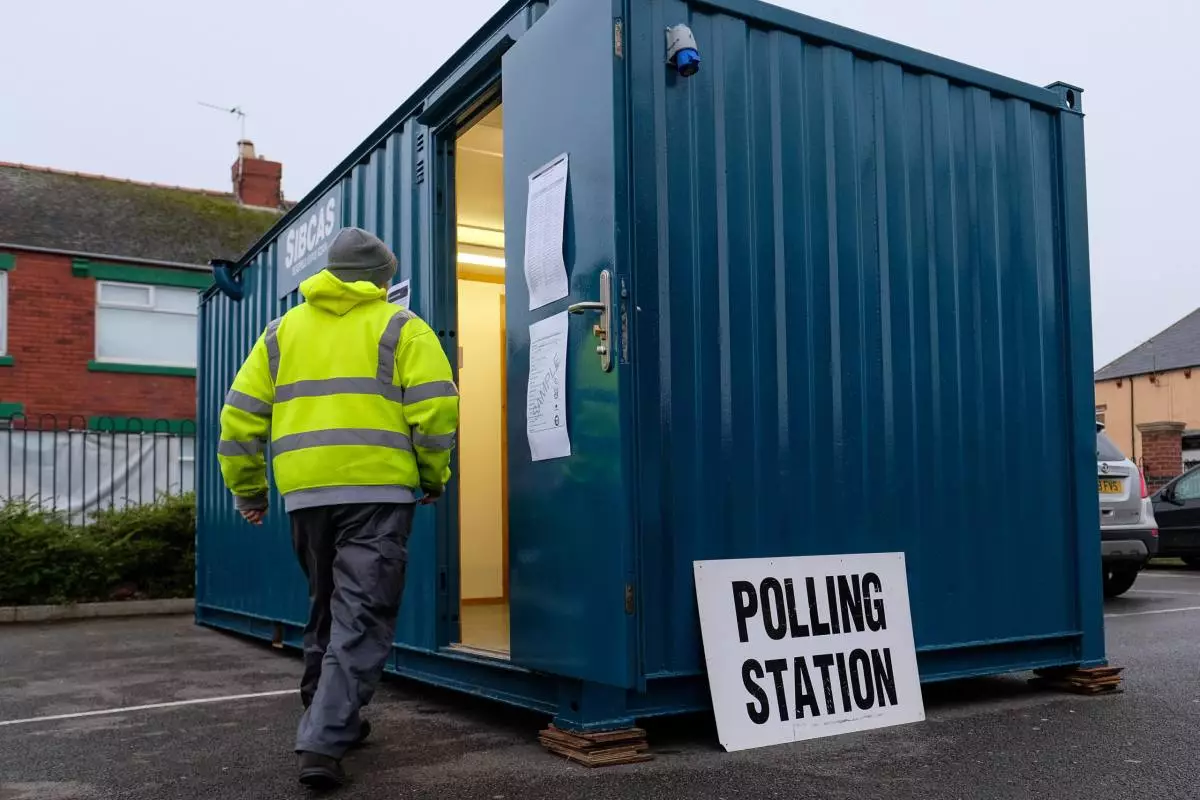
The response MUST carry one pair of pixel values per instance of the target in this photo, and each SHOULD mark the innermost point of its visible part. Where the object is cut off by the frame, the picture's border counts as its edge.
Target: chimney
(256, 181)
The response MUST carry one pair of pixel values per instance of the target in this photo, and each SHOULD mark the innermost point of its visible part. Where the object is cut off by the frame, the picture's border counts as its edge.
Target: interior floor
(482, 382)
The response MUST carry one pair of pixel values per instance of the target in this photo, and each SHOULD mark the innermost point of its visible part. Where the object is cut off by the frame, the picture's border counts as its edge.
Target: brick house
(99, 285)
(1152, 394)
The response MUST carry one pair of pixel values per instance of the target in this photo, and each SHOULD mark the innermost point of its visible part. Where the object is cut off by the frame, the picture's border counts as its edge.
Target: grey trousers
(354, 557)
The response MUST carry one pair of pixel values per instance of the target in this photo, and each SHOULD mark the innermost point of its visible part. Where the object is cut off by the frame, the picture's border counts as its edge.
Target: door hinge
(630, 605)
(619, 37)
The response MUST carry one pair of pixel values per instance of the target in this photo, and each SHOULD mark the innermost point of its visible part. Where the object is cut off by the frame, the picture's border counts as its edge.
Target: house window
(3, 313)
(1101, 413)
(146, 325)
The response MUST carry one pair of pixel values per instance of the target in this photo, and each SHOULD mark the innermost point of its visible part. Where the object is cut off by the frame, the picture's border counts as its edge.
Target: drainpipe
(1132, 426)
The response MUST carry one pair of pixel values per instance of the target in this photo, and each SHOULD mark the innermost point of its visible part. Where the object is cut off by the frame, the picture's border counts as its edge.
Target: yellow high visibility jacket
(356, 396)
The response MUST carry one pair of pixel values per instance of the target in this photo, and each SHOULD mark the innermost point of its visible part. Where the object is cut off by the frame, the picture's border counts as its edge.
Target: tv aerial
(237, 110)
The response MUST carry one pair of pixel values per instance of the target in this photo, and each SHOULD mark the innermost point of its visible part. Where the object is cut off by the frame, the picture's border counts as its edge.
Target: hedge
(141, 552)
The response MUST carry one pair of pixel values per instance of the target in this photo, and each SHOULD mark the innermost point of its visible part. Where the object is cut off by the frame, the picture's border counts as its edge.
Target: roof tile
(77, 212)
(1175, 348)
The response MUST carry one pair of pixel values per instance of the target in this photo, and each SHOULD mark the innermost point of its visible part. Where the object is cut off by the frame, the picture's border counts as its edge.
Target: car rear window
(1106, 450)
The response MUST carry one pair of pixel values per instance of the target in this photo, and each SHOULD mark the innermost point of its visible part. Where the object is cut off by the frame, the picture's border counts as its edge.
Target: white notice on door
(545, 219)
(546, 403)
(804, 647)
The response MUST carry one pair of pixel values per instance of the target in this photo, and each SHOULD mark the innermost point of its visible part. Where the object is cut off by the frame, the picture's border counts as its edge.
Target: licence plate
(1110, 486)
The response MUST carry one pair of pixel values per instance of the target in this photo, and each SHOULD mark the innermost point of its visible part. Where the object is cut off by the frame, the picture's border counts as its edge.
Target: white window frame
(3, 312)
(137, 307)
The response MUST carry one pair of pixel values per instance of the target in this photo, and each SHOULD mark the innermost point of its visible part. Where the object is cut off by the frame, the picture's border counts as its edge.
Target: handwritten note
(545, 219)
(546, 400)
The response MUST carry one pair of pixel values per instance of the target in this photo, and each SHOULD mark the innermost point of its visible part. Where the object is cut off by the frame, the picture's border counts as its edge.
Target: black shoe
(364, 730)
(321, 772)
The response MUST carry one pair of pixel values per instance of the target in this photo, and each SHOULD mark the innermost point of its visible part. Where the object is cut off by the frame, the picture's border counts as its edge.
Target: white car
(1128, 531)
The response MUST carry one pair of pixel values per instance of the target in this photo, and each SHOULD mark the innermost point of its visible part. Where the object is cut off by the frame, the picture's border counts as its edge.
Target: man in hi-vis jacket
(357, 399)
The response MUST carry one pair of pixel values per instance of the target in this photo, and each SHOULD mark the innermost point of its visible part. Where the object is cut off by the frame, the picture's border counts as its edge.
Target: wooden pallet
(1097, 680)
(605, 749)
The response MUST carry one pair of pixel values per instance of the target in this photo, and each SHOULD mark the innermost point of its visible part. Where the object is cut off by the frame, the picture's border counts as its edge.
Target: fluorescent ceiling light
(481, 237)
(480, 261)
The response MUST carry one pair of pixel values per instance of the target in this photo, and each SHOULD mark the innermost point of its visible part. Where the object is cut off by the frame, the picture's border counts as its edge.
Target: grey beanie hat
(357, 255)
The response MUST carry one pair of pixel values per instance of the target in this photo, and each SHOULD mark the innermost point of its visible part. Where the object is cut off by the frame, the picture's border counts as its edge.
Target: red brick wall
(1162, 452)
(51, 337)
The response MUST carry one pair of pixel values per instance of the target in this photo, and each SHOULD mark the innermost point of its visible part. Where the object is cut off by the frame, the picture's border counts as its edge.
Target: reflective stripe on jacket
(356, 396)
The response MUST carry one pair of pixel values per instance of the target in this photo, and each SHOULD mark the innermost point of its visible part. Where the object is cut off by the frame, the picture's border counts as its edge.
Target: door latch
(603, 330)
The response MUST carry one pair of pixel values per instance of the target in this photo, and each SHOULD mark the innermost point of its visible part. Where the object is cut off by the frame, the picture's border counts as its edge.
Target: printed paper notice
(546, 412)
(545, 218)
(399, 295)
(800, 647)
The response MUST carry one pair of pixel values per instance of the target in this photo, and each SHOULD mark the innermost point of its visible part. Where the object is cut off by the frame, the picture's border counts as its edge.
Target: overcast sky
(112, 87)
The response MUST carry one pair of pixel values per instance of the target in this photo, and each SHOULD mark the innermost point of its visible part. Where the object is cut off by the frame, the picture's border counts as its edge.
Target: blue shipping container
(848, 311)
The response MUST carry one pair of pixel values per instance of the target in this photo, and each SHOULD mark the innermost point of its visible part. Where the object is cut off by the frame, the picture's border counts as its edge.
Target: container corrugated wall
(859, 320)
(852, 336)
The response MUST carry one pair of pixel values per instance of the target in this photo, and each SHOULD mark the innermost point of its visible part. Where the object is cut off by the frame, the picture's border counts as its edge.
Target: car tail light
(1145, 493)
(1154, 533)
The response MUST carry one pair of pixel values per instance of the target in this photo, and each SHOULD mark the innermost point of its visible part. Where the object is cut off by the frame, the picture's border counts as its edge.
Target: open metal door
(570, 529)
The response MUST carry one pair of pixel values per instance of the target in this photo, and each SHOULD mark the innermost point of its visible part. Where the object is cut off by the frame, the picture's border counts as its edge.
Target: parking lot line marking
(1155, 611)
(149, 707)
(1171, 576)
(1162, 591)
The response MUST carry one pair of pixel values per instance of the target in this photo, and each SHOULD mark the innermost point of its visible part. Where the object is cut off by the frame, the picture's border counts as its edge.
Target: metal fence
(79, 466)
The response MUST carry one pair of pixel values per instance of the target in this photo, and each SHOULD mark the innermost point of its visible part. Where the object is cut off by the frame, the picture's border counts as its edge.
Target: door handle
(603, 306)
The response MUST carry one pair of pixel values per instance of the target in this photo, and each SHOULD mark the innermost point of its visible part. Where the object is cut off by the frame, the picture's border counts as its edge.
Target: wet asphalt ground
(993, 738)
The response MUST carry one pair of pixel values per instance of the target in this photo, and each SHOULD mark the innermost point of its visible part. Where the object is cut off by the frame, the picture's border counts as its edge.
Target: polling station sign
(304, 246)
(805, 647)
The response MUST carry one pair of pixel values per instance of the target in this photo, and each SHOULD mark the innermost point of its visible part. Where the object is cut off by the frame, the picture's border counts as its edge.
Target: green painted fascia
(141, 369)
(126, 273)
(11, 410)
(7, 261)
(141, 425)
(7, 361)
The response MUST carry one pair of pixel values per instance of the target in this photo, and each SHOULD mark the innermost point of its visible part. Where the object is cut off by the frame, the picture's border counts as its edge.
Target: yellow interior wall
(483, 181)
(480, 205)
(479, 448)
